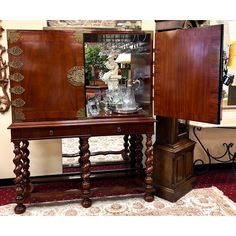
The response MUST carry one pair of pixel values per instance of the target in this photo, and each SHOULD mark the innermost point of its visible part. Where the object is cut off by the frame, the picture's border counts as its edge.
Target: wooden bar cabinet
(48, 92)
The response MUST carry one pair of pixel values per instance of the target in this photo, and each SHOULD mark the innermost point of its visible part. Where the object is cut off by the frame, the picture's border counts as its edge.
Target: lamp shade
(124, 58)
(232, 55)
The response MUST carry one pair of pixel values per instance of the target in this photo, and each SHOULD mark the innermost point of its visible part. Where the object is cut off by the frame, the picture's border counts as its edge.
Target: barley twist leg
(139, 154)
(132, 149)
(85, 171)
(19, 179)
(149, 190)
(25, 172)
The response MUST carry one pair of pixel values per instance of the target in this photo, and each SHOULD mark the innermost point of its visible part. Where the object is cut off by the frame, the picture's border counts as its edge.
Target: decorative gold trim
(17, 90)
(16, 64)
(76, 75)
(18, 102)
(18, 116)
(79, 37)
(80, 113)
(13, 36)
(16, 77)
(15, 51)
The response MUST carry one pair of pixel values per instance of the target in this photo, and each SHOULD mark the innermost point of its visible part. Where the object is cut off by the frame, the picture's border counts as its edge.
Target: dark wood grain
(47, 57)
(173, 169)
(187, 73)
(76, 128)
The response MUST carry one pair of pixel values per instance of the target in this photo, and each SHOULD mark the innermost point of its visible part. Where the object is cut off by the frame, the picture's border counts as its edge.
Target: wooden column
(173, 159)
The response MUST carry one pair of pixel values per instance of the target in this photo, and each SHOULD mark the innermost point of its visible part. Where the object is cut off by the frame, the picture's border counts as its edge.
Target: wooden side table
(21, 133)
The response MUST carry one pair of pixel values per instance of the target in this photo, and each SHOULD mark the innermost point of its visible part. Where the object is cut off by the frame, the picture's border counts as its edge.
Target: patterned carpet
(111, 143)
(198, 202)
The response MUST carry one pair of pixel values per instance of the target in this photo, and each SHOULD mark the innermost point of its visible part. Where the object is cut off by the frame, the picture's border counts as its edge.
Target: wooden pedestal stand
(173, 160)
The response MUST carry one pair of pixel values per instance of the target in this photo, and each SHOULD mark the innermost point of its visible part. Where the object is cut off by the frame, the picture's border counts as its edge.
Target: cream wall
(45, 156)
(213, 139)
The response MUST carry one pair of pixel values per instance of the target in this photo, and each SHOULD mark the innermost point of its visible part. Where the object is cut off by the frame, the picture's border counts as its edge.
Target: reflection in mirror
(117, 72)
(106, 149)
(182, 127)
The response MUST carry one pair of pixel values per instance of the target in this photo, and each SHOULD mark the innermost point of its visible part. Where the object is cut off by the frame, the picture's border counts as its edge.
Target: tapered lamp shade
(232, 55)
(124, 58)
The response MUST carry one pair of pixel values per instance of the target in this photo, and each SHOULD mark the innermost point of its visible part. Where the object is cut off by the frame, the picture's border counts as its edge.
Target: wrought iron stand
(203, 167)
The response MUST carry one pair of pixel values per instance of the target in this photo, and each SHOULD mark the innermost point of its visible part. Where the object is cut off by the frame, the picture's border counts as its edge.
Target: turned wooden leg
(149, 190)
(139, 154)
(126, 147)
(81, 152)
(132, 149)
(25, 172)
(85, 172)
(19, 180)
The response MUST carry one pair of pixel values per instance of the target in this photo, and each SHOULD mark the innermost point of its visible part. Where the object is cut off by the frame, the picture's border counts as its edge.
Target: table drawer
(50, 132)
(117, 129)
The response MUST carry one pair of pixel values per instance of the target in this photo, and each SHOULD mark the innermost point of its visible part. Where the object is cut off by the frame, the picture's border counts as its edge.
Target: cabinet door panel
(51, 68)
(188, 69)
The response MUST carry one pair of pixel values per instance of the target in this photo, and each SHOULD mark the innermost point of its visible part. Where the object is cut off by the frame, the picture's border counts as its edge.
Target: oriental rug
(199, 202)
(104, 143)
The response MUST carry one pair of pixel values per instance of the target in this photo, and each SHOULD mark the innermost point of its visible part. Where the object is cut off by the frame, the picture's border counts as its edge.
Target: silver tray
(128, 111)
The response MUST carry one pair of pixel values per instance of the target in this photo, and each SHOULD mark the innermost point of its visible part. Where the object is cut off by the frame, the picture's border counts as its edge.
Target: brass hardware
(79, 37)
(18, 102)
(80, 113)
(15, 51)
(17, 90)
(76, 75)
(51, 133)
(18, 116)
(16, 64)
(16, 77)
(13, 36)
(118, 129)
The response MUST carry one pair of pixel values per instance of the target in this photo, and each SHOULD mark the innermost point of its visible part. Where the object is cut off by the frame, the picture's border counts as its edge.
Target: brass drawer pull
(118, 129)
(51, 133)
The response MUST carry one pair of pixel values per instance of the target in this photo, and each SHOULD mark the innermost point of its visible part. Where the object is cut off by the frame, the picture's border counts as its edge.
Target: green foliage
(94, 60)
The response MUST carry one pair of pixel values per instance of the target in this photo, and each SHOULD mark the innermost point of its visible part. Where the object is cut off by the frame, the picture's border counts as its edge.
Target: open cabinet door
(47, 75)
(188, 72)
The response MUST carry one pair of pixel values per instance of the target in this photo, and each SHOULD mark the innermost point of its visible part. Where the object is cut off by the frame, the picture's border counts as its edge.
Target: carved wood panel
(4, 98)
